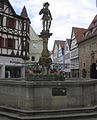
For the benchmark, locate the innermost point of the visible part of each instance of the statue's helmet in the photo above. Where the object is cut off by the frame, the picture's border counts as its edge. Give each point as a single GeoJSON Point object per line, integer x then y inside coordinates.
{"type": "Point", "coordinates": [46, 3]}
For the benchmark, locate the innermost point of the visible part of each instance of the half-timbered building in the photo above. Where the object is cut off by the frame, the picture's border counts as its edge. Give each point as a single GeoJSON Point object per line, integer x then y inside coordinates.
{"type": "Point", "coordinates": [76, 35]}
{"type": "Point", "coordinates": [14, 40]}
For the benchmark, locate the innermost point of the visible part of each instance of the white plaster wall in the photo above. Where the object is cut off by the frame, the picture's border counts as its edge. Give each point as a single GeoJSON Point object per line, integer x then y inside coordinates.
{"type": "Point", "coordinates": [67, 60]}
{"type": "Point", "coordinates": [36, 45]}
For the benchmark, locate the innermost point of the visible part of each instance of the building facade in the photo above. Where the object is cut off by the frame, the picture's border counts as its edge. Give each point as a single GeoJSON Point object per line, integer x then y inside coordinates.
{"type": "Point", "coordinates": [88, 51]}
{"type": "Point", "coordinates": [36, 46]}
{"type": "Point", "coordinates": [67, 58]}
{"type": "Point", "coordinates": [14, 39]}
{"type": "Point", "coordinates": [76, 35]}
{"type": "Point", "coordinates": [55, 52]}
{"type": "Point", "coordinates": [58, 54]}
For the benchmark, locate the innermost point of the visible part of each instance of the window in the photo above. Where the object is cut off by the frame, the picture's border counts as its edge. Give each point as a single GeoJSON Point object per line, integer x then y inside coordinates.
{"type": "Point", "coordinates": [1, 42]}
{"type": "Point", "coordinates": [10, 43]}
{"type": "Point", "coordinates": [28, 28]}
{"type": "Point", "coordinates": [33, 58]}
{"type": "Point", "coordinates": [27, 46]}
{"type": "Point", "coordinates": [1, 20]}
{"type": "Point", "coordinates": [1, 5]}
{"type": "Point", "coordinates": [11, 23]}
{"type": "Point", "coordinates": [25, 27]}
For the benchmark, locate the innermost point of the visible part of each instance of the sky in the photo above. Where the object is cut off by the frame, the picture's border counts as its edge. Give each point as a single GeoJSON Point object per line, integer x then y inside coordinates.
{"type": "Point", "coordinates": [65, 13]}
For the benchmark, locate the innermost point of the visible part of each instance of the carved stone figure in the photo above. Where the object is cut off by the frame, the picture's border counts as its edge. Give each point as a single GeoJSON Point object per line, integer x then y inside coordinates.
{"type": "Point", "coordinates": [47, 17]}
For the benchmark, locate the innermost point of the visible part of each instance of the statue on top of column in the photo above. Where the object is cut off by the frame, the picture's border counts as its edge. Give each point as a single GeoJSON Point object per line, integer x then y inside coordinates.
{"type": "Point", "coordinates": [47, 17]}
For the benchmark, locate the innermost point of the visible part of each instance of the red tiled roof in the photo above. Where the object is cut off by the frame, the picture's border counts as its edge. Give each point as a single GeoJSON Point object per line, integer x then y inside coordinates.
{"type": "Point", "coordinates": [91, 31]}
{"type": "Point", "coordinates": [79, 33]}
{"type": "Point", "coordinates": [62, 44]}
{"type": "Point", "coordinates": [59, 42]}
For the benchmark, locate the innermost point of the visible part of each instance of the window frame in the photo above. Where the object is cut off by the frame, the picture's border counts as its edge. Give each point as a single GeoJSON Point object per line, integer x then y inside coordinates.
{"type": "Point", "coordinates": [11, 23]}
{"type": "Point", "coordinates": [10, 44]}
{"type": "Point", "coordinates": [33, 58]}
{"type": "Point", "coordinates": [1, 42]}
{"type": "Point", "coordinates": [1, 20]}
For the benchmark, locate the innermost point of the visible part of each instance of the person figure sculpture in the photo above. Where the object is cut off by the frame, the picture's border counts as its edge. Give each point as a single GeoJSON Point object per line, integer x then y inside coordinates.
{"type": "Point", "coordinates": [47, 17]}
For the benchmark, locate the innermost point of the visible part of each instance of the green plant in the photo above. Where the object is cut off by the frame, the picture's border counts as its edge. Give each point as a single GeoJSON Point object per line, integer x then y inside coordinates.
{"type": "Point", "coordinates": [45, 77]}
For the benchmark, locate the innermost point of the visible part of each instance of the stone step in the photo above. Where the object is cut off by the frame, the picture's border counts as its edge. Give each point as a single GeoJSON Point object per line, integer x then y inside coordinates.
{"type": "Point", "coordinates": [47, 114]}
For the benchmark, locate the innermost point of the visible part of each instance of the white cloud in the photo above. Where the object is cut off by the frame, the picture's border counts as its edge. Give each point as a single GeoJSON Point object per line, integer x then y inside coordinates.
{"type": "Point", "coordinates": [66, 14]}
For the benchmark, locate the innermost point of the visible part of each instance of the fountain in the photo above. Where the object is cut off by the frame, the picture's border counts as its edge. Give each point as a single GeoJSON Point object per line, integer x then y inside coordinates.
{"type": "Point", "coordinates": [45, 59]}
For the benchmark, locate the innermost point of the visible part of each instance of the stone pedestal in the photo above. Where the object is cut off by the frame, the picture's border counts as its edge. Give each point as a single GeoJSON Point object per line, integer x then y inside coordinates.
{"type": "Point", "coordinates": [45, 59]}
